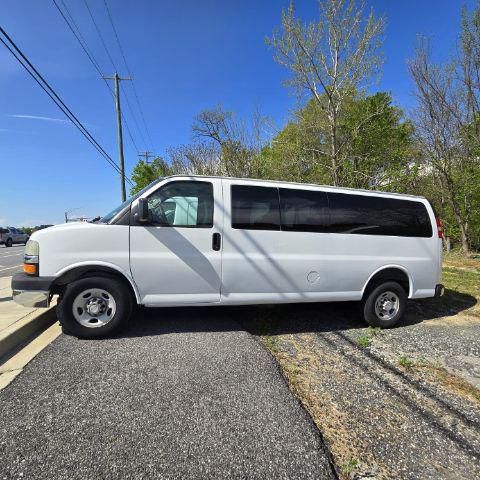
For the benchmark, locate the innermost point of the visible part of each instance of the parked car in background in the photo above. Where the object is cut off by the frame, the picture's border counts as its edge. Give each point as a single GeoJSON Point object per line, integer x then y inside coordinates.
{"type": "Point", "coordinates": [10, 235]}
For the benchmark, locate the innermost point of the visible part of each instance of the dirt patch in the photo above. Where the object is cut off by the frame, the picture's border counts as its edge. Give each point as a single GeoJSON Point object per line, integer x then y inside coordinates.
{"type": "Point", "coordinates": [303, 372]}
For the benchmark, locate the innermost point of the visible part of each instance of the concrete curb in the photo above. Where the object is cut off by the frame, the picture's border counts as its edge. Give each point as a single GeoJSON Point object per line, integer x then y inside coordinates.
{"type": "Point", "coordinates": [17, 334]}
{"type": "Point", "coordinates": [16, 362]}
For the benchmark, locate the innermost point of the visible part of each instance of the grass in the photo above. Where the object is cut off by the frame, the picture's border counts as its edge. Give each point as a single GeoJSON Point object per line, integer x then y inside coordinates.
{"type": "Point", "coordinates": [461, 278]}
{"type": "Point", "coordinates": [452, 382]}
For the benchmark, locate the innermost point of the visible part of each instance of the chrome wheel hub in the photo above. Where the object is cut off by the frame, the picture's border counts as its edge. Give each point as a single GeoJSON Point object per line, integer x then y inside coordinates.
{"type": "Point", "coordinates": [387, 305]}
{"type": "Point", "coordinates": [94, 307]}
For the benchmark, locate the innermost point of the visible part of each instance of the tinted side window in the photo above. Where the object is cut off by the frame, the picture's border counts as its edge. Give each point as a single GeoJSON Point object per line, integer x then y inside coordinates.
{"type": "Point", "coordinates": [255, 208]}
{"type": "Point", "coordinates": [304, 210]}
{"type": "Point", "coordinates": [368, 215]}
{"type": "Point", "coordinates": [182, 204]}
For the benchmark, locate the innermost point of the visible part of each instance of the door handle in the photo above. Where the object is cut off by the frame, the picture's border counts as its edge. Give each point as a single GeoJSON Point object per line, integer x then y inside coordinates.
{"type": "Point", "coordinates": [216, 241]}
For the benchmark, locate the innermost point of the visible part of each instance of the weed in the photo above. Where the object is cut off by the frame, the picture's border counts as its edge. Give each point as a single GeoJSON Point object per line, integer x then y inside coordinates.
{"type": "Point", "coordinates": [292, 369]}
{"type": "Point", "coordinates": [350, 466]}
{"type": "Point", "coordinates": [405, 362]}
{"type": "Point", "coordinates": [364, 341]}
{"type": "Point", "coordinates": [373, 331]}
{"type": "Point", "coordinates": [272, 343]}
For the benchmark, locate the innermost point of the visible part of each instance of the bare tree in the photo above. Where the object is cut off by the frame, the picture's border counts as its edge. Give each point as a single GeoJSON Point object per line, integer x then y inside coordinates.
{"type": "Point", "coordinates": [238, 147]}
{"type": "Point", "coordinates": [195, 159]}
{"type": "Point", "coordinates": [330, 58]}
{"type": "Point", "coordinates": [447, 120]}
{"type": "Point", "coordinates": [222, 145]}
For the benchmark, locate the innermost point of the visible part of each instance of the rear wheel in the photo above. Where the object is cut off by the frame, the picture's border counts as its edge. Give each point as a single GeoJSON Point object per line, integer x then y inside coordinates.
{"type": "Point", "coordinates": [385, 305]}
{"type": "Point", "coordinates": [94, 307]}
{"type": "Point", "coordinates": [9, 242]}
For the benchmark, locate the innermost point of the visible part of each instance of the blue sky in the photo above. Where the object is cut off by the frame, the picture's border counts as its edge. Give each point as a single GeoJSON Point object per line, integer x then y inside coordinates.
{"type": "Point", "coordinates": [185, 56]}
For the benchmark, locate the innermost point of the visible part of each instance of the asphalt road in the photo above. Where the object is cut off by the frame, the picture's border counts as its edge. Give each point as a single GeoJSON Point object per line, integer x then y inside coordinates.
{"type": "Point", "coordinates": [11, 260]}
{"type": "Point", "coordinates": [183, 393]}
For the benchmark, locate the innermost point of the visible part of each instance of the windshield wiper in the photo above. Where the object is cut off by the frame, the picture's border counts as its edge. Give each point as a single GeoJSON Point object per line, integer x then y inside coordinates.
{"type": "Point", "coordinates": [96, 219]}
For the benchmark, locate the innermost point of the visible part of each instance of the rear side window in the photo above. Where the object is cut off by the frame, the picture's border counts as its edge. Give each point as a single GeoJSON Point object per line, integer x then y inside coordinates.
{"type": "Point", "coordinates": [255, 208]}
{"type": "Point", "coordinates": [304, 210]}
{"type": "Point", "coordinates": [368, 215]}
{"type": "Point", "coordinates": [182, 204]}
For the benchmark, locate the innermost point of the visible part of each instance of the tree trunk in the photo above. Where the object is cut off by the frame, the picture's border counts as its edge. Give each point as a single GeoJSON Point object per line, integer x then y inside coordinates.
{"type": "Point", "coordinates": [462, 225]}
{"type": "Point", "coordinates": [465, 239]}
{"type": "Point", "coordinates": [334, 152]}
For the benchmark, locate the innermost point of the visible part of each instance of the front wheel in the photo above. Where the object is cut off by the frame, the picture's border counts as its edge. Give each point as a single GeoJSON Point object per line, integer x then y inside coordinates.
{"type": "Point", "coordinates": [9, 242]}
{"type": "Point", "coordinates": [94, 307]}
{"type": "Point", "coordinates": [385, 305]}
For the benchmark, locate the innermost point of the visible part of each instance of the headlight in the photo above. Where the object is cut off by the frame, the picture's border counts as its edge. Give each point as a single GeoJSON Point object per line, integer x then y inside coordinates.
{"type": "Point", "coordinates": [30, 259]}
{"type": "Point", "coordinates": [31, 248]}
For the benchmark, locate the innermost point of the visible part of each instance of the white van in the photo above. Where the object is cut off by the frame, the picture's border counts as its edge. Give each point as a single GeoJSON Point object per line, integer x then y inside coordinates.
{"type": "Point", "coordinates": [192, 240]}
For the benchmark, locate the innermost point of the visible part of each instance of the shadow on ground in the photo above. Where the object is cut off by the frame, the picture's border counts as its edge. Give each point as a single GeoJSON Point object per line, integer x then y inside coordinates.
{"type": "Point", "coordinates": [283, 319]}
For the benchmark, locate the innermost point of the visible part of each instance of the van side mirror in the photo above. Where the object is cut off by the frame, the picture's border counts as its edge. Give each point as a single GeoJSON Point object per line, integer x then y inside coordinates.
{"type": "Point", "coordinates": [142, 215]}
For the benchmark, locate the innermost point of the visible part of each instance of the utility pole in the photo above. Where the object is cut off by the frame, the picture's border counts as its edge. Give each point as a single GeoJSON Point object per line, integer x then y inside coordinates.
{"type": "Point", "coordinates": [117, 79]}
{"type": "Point", "coordinates": [146, 155]}
{"type": "Point", "coordinates": [70, 211]}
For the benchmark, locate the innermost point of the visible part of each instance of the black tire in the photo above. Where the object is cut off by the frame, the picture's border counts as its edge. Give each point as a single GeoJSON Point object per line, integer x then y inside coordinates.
{"type": "Point", "coordinates": [390, 318]}
{"type": "Point", "coordinates": [9, 242]}
{"type": "Point", "coordinates": [123, 307]}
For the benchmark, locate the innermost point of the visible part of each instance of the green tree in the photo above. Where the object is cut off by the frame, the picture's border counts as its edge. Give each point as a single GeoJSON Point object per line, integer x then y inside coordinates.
{"type": "Point", "coordinates": [380, 146]}
{"type": "Point", "coordinates": [145, 173]}
{"type": "Point", "coordinates": [377, 142]}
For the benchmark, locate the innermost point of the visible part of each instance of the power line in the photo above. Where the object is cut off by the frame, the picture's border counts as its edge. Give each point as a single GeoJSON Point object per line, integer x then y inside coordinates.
{"type": "Point", "coordinates": [81, 40]}
{"type": "Point", "coordinates": [40, 80]}
{"type": "Point", "coordinates": [99, 34]}
{"type": "Point", "coordinates": [78, 34]}
{"type": "Point", "coordinates": [107, 51]}
{"type": "Point", "coordinates": [129, 72]}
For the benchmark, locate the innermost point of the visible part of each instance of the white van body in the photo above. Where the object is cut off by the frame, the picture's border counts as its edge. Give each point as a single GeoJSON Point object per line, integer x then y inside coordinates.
{"type": "Point", "coordinates": [193, 240]}
{"type": "Point", "coordinates": [178, 264]}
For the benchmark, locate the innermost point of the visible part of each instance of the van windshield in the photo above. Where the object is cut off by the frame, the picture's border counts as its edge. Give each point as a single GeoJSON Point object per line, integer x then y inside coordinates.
{"type": "Point", "coordinates": [109, 216]}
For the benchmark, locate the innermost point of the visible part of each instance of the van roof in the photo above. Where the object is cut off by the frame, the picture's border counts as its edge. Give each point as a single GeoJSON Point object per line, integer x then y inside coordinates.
{"type": "Point", "coordinates": [282, 182]}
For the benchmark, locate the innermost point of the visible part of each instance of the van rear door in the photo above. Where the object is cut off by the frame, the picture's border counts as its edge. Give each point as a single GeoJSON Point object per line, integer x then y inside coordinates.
{"type": "Point", "coordinates": [176, 258]}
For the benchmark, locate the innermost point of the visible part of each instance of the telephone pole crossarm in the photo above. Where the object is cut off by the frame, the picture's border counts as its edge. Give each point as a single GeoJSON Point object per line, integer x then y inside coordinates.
{"type": "Point", "coordinates": [146, 155]}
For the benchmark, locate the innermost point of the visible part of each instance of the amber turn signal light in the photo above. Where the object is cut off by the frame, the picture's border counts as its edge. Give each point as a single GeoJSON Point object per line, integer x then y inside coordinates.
{"type": "Point", "coordinates": [30, 268]}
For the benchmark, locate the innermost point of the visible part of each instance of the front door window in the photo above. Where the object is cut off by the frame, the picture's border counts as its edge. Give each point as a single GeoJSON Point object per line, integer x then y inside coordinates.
{"type": "Point", "coordinates": [182, 204]}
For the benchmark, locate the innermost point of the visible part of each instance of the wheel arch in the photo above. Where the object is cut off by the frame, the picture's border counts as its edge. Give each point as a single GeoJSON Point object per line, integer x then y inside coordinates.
{"type": "Point", "coordinates": [75, 272]}
{"type": "Point", "coordinates": [395, 273]}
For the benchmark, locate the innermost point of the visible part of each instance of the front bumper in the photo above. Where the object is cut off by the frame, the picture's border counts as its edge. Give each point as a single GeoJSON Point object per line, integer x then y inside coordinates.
{"type": "Point", "coordinates": [31, 291]}
{"type": "Point", "coordinates": [439, 290]}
